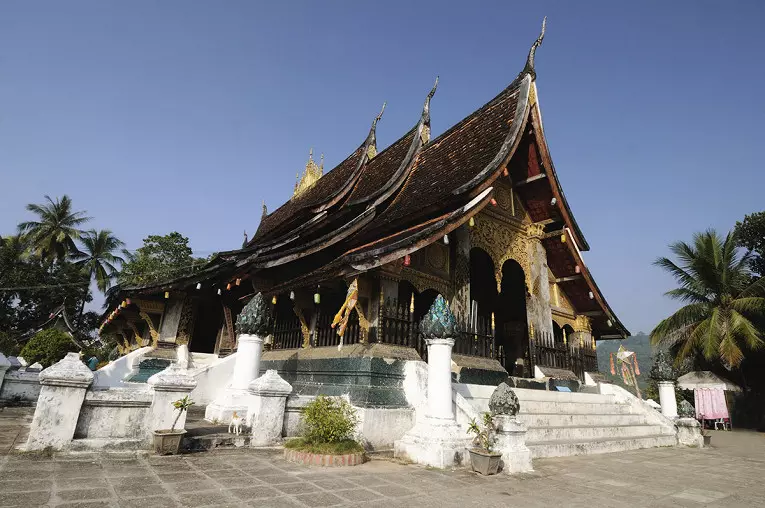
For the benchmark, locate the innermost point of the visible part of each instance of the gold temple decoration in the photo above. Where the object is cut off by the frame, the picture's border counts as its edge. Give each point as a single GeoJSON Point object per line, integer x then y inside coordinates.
{"type": "Point", "coordinates": [582, 324]}
{"type": "Point", "coordinates": [310, 176]}
{"type": "Point", "coordinates": [152, 331]}
{"type": "Point", "coordinates": [535, 231]}
{"type": "Point", "coordinates": [502, 243]}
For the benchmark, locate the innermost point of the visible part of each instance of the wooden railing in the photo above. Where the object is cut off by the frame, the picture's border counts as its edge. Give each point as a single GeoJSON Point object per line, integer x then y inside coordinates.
{"type": "Point", "coordinates": [288, 333]}
{"type": "Point", "coordinates": [544, 351]}
{"type": "Point", "coordinates": [325, 335]}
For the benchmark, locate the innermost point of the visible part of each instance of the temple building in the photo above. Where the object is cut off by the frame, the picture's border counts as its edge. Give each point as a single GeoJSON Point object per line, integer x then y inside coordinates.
{"type": "Point", "coordinates": [476, 214]}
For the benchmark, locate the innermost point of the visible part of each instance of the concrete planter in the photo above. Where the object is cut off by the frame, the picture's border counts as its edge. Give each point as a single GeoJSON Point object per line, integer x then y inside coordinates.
{"type": "Point", "coordinates": [707, 440]}
{"type": "Point", "coordinates": [168, 442]}
{"type": "Point", "coordinates": [486, 463]}
{"type": "Point", "coordinates": [316, 459]}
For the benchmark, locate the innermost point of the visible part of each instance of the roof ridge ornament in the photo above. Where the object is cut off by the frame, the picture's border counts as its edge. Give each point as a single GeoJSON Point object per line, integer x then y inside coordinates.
{"type": "Point", "coordinates": [372, 138]}
{"type": "Point", "coordinates": [310, 176]}
{"type": "Point", "coordinates": [529, 68]}
{"type": "Point", "coordinates": [425, 119]}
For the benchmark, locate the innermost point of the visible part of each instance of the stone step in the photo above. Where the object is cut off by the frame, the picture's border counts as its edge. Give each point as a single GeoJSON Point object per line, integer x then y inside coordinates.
{"type": "Point", "coordinates": [589, 446]}
{"type": "Point", "coordinates": [577, 408]}
{"type": "Point", "coordinates": [591, 432]}
{"type": "Point", "coordinates": [579, 420]}
{"type": "Point", "coordinates": [211, 441]}
{"type": "Point", "coordinates": [526, 395]}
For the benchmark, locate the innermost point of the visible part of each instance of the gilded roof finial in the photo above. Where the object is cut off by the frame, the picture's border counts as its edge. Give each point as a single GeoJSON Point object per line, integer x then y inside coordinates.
{"type": "Point", "coordinates": [425, 120]}
{"type": "Point", "coordinates": [372, 138]}
{"type": "Point", "coordinates": [311, 174]}
{"type": "Point", "coordinates": [529, 68]}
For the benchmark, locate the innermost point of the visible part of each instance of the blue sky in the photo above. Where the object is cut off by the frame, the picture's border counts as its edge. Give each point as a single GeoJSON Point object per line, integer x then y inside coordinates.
{"type": "Point", "coordinates": [185, 115]}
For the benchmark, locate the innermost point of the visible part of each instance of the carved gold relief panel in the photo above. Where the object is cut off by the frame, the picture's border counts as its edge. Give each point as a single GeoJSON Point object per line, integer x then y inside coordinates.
{"type": "Point", "coordinates": [502, 243]}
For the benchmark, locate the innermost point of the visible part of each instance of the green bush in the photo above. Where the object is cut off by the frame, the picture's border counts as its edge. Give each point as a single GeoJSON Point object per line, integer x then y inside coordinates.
{"type": "Point", "coordinates": [48, 347]}
{"type": "Point", "coordinates": [339, 448]}
{"type": "Point", "coordinates": [328, 420]}
{"type": "Point", "coordinates": [8, 345]}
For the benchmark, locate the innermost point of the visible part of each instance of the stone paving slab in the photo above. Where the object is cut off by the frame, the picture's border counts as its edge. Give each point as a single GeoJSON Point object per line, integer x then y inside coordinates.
{"type": "Point", "coordinates": [729, 474]}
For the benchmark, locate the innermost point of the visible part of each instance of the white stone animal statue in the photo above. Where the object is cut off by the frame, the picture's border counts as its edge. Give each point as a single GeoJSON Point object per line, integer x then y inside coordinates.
{"type": "Point", "coordinates": [235, 424]}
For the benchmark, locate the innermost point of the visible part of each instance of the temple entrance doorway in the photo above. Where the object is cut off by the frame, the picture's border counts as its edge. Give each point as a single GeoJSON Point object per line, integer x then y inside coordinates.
{"type": "Point", "coordinates": [422, 301]}
{"type": "Point", "coordinates": [483, 299]}
{"type": "Point", "coordinates": [511, 317]}
{"type": "Point", "coordinates": [209, 318]}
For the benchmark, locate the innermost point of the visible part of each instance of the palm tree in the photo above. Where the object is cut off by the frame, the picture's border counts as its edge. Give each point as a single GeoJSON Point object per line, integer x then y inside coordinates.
{"type": "Point", "coordinates": [12, 252]}
{"type": "Point", "coordinates": [98, 259]}
{"type": "Point", "coordinates": [721, 301]}
{"type": "Point", "coordinates": [52, 236]}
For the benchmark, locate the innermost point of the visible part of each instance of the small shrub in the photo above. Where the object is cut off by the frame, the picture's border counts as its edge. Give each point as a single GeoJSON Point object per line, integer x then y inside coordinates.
{"type": "Point", "coordinates": [484, 432]}
{"type": "Point", "coordinates": [8, 345]}
{"type": "Point", "coordinates": [48, 347]}
{"type": "Point", "coordinates": [328, 420]}
{"type": "Point", "coordinates": [338, 448]}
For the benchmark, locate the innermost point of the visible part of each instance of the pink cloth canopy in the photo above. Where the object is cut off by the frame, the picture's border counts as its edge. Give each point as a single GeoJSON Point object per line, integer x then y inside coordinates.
{"type": "Point", "coordinates": [710, 403]}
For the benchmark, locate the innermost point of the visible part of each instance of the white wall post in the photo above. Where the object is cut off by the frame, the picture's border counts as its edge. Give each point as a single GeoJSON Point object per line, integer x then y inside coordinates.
{"type": "Point", "coordinates": [265, 416]}
{"type": "Point", "coordinates": [440, 378]}
{"type": "Point", "coordinates": [667, 398]}
{"type": "Point", "coordinates": [4, 366]}
{"type": "Point", "coordinates": [168, 386]}
{"type": "Point", "coordinates": [247, 366]}
{"type": "Point", "coordinates": [58, 407]}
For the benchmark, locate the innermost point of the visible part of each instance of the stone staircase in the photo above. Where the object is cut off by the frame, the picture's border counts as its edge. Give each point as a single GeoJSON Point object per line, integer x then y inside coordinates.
{"type": "Point", "coordinates": [574, 423]}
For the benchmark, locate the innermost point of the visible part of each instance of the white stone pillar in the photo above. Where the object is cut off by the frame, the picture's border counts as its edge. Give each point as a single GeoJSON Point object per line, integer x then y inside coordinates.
{"type": "Point", "coordinates": [436, 440]}
{"type": "Point", "coordinates": [511, 443]}
{"type": "Point", "coordinates": [265, 416]}
{"type": "Point", "coordinates": [4, 366]}
{"type": "Point", "coordinates": [667, 398]}
{"type": "Point", "coordinates": [440, 378]}
{"type": "Point", "coordinates": [247, 366]}
{"type": "Point", "coordinates": [171, 384]}
{"type": "Point", "coordinates": [58, 407]}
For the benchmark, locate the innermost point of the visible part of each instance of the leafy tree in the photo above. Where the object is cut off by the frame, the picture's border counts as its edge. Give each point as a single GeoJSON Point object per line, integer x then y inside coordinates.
{"type": "Point", "coordinates": [751, 235]}
{"type": "Point", "coordinates": [52, 235]}
{"type": "Point", "coordinates": [48, 347]}
{"type": "Point", "coordinates": [161, 258]}
{"type": "Point", "coordinates": [716, 286]}
{"type": "Point", "coordinates": [8, 344]}
{"type": "Point", "coordinates": [98, 259]}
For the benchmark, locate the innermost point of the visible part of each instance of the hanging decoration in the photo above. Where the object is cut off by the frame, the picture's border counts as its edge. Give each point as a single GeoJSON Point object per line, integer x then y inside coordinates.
{"type": "Point", "coordinates": [446, 239]}
{"type": "Point", "coordinates": [627, 361]}
{"type": "Point", "coordinates": [167, 294]}
{"type": "Point", "coordinates": [637, 367]}
{"type": "Point", "coordinates": [471, 222]}
{"type": "Point", "coordinates": [238, 281]}
{"type": "Point", "coordinates": [273, 300]}
{"type": "Point", "coordinates": [411, 304]}
{"type": "Point", "coordinates": [493, 202]}
{"type": "Point", "coordinates": [228, 287]}
{"type": "Point", "coordinates": [292, 296]}
{"type": "Point", "coordinates": [342, 316]}
{"type": "Point", "coordinates": [199, 285]}
{"type": "Point", "coordinates": [613, 369]}
{"type": "Point", "coordinates": [317, 296]}
{"type": "Point", "coordinates": [407, 260]}
{"type": "Point", "coordinates": [219, 291]}
{"type": "Point", "coordinates": [505, 172]}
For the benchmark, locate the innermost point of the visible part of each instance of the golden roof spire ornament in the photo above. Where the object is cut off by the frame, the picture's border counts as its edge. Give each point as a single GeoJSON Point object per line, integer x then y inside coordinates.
{"type": "Point", "coordinates": [372, 138]}
{"type": "Point", "coordinates": [425, 120]}
{"type": "Point", "coordinates": [529, 68]}
{"type": "Point", "coordinates": [310, 176]}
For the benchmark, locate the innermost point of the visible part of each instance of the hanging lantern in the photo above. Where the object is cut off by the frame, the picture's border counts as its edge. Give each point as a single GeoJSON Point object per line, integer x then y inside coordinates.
{"type": "Point", "coordinates": [609, 323]}
{"type": "Point", "coordinates": [553, 201]}
{"type": "Point", "coordinates": [273, 300]}
{"type": "Point", "coordinates": [317, 297]}
{"type": "Point", "coordinates": [493, 202]}
{"type": "Point", "coordinates": [292, 296]}
{"type": "Point", "coordinates": [411, 304]}
{"type": "Point", "coordinates": [446, 239]}
{"type": "Point", "coordinates": [199, 285]}
{"type": "Point", "coordinates": [228, 287]}
{"type": "Point", "coordinates": [592, 296]}
{"type": "Point", "coordinates": [563, 238]}
{"type": "Point", "coordinates": [407, 260]}
{"type": "Point", "coordinates": [577, 269]}
{"type": "Point", "coordinates": [471, 222]}
{"type": "Point", "coordinates": [123, 304]}
{"type": "Point", "coordinates": [218, 290]}
{"type": "Point", "coordinates": [167, 294]}
{"type": "Point", "coordinates": [238, 281]}
{"type": "Point", "coordinates": [504, 172]}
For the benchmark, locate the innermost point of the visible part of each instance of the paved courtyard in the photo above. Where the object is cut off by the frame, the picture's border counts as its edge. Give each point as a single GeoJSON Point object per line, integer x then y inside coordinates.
{"type": "Point", "coordinates": [730, 474]}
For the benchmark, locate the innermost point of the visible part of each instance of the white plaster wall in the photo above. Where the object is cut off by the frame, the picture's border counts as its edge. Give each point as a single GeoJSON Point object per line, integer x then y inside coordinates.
{"type": "Point", "coordinates": [637, 406]}
{"type": "Point", "coordinates": [120, 369]}
{"type": "Point", "coordinates": [295, 404]}
{"type": "Point", "coordinates": [416, 387]}
{"type": "Point", "coordinates": [379, 428]}
{"type": "Point", "coordinates": [212, 379]}
{"type": "Point", "coordinates": [115, 413]}
{"type": "Point", "coordinates": [20, 386]}
{"type": "Point", "coordinates": [538, 311]}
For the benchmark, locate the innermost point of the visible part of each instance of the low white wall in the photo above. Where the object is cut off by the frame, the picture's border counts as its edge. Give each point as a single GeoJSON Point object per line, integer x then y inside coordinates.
{"type": "Point", "coordinates": [292, 411]}
{"type": "Point", "coordinates": [120, 369]}
{"type": "Point", "coordinates": [20, 386]}
{"type": "Point", "coordinates": [116, 413]}
{"type": "Point", "coordinates": [379, 428]}
{"type": "Point", "coordinates": [212, 379]}
{"type": "Point", "coordinates": [637, 406]}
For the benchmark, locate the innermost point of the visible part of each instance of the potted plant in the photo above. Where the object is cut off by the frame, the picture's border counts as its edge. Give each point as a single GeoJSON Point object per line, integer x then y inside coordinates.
{"type": "Point", "coordinates": [168, 442]}
{"type": "Point", "coordinates": [482, 458]}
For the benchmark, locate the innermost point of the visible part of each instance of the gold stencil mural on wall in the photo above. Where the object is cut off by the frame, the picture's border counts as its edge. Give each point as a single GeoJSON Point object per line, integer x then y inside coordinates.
{"type": "Point", "coordinates": [502, 243]}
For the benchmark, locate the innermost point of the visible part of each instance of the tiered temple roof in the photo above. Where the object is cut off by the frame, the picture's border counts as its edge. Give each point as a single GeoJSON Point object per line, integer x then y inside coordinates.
{"type": "Point", "coordinates": [374, 208]}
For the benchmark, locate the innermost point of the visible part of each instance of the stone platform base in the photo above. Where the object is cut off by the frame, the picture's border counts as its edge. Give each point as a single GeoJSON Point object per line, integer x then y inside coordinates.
{"type": "Point", "coordinates": [434, 443]}
{"type": "Point", "coordinates": [232, 401]}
